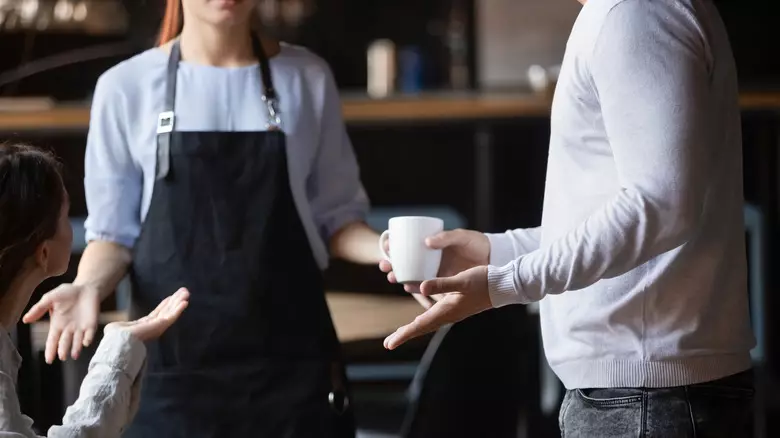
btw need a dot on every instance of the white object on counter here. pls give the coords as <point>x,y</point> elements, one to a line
<point>381,68</point>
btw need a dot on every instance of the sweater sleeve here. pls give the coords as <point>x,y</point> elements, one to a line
<point>507,246</point>
<point>650,70</point>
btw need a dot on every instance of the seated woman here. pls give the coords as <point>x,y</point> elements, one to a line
<point>35,244</point>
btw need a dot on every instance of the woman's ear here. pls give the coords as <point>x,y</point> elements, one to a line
<point>42,254</point>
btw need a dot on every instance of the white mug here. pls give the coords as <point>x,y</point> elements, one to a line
<point>412,260</point>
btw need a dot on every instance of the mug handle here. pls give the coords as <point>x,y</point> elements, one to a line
<point>385,235</point>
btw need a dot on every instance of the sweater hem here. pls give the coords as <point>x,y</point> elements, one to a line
<point>580,374</point>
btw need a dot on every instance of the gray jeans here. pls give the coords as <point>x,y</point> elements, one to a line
<point>718,409</point>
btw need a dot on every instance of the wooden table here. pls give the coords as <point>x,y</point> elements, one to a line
<point>357,317</point>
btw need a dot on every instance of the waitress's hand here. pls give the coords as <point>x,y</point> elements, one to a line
<point>153,325</point>
<point>73,315</point>
<point>461,250</point>
<point>465,294</point>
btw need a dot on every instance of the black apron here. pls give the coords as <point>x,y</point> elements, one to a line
<point>255,354</point>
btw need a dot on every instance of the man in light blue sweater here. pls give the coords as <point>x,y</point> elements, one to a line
<point>639,264</point>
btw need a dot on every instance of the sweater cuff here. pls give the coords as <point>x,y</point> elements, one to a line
<point>501,249</point>
<point>122,351</point>
<point>502,286</point>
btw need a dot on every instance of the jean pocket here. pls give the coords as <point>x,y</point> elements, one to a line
<point>610,397</point>
<point>562,411</point>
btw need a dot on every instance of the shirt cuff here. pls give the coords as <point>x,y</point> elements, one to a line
<point>501,249</point>
<point>122,351</point>
<point>503,286</point>
<point>328,228</point>
<point>127,242</point>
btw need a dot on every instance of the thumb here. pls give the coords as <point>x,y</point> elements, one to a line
<point>37,311</point>
<point>442,285</point>
<point>445,239</point>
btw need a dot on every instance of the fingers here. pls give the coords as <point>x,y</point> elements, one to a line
<point>52,342</point>
<point>385,266</point>
<point>429,321</point>
<point>424,301</point>
<point>178,303</point>
<point>172,307</point>
<point>65,344</point>
<point>176,311</point>
<point>157,310</point>
<point>412,288</point>
<point>443,285</point>
<point>154,327</point>
<point>37,311</point>
<point>89,336</point>
<point>78,343</point>
<point>445,239</point>
<point>168,303</point>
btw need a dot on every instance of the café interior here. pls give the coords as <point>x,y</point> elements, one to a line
<point>447,105</point>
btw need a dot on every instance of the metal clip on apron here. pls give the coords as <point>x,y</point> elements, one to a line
<point>255,354</point>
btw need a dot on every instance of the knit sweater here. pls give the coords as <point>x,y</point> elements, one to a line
<point>640,261</point>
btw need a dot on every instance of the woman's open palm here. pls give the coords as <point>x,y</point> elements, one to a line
<point>153,325</point>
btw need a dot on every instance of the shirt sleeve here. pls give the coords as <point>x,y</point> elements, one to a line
<point>650,70</point>
<point>334,189</point>
<point>112,180</point>
<point>507,246</point>
<point>108,399</point>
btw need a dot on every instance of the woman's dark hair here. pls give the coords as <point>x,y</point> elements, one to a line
<point>31,198</point>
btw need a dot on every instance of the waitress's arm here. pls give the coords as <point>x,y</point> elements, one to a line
<point>113,182</point>
<point>356,242</point>
<point>102,267</point>
<point>336,195</point>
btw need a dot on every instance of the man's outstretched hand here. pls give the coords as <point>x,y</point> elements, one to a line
<point>465,294</point>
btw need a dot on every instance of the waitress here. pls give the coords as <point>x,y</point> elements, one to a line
<point>220,162</point>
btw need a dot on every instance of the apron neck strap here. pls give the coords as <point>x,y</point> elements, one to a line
<point>265,69</point>
<point>269,93</point>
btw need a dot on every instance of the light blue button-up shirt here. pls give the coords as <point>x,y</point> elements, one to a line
<point>121,144</point>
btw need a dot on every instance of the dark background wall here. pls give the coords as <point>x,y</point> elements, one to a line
<point>341,30</point>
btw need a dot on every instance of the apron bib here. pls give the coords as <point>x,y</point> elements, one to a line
<point>256,353</point>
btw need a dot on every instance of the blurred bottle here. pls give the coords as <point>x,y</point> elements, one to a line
<point>457,43</point>
<point>381,68</point>
<point>411,67</point>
